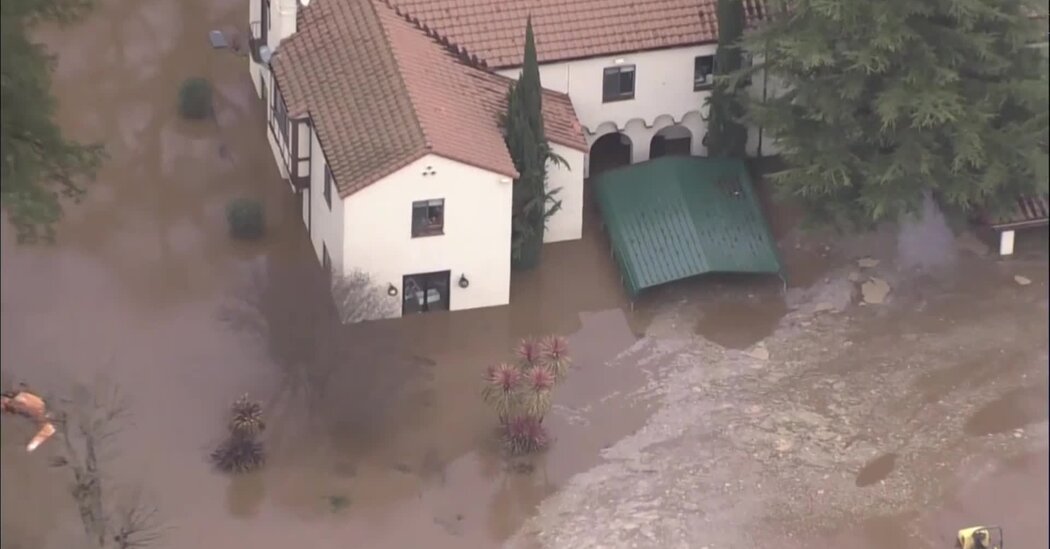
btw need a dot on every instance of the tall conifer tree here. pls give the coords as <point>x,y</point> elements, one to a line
<point>885,102</point>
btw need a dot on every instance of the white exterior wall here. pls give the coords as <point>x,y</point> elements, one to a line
<point>325,225</point>
<point>663,96</point>
<point>282,25</point>
<point>377,235</point>
<point>567,223</point>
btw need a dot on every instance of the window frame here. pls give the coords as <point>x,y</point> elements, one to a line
<point>618,72</point>
<point>428,228</point>
<point>280,115</point>
<point>328,183</point>
<point>709,79</point>
<point>326,259</point>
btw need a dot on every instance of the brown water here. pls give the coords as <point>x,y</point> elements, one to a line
<point>377,435</point>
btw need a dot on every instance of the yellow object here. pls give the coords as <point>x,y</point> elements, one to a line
<point>981,537</point>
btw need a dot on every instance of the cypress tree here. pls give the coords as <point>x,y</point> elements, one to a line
<point>726,133</point>
<point>527,143</point>
<point>39,163</point>
<point>885,102</point>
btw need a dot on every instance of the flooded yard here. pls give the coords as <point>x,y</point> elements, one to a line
<point>724,411</point>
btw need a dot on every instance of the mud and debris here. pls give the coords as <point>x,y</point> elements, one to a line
<point>847,421</point>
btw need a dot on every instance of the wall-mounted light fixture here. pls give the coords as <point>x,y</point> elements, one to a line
<point>391,290</point>
<point>505,180</point>
<point>463,282</point>
<point>618,61</point>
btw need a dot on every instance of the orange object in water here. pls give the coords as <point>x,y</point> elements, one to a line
<point>28,405</point>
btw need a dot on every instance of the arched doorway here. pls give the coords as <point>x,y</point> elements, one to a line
<point>609,151</point>
<point>674,140</point>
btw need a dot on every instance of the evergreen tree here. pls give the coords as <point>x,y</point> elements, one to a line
<point>39,163</point>
<point>527,143</point>
<point>726,133</point>
<point>884,102</point>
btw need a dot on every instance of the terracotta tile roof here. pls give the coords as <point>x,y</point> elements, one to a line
<point>381,94</point>
<point>559,116</point>
<point>494,30</point>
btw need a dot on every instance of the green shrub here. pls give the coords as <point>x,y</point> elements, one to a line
<point>195,98</point>
<point>245,218</point>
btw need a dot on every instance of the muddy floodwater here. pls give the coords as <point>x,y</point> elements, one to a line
<point>727,412</point>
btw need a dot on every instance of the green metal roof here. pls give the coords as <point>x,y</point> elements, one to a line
<point>681,216</point>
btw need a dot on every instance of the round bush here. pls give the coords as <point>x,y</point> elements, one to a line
<point>195,98</point>
<point>245,218</point>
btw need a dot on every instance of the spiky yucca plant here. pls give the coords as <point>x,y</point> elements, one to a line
<point>242,452</point>
<point>246,417</point>
<point>536,395</point>
<point>239,454</point>
<point>554,352</point>
<point>502,385</point>
<point>524,434</point>
<point>528,352</point>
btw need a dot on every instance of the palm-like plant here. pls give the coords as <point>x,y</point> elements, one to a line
<point>524,434</point>
<point>246,417</point>
<point>554,351</point>
<point>502,385</point>
<point>536,397</point>
<point>528,352</point>
<point>242,452</point>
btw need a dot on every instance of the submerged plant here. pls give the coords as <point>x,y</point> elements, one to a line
<point>246,218</point>
<point>501,388</point>
<point>247,417</point>
<point>525,434</point>
<point>239,454</point>
<point>242,452</point>
<point>195,98</point>
<point>536,397</point>
<point>528,352</point>
<point>520,393</point>
<point>554,351</point>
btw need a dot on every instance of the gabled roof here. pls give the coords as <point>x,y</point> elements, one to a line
<point>493,30</point>
<point>381,94</point>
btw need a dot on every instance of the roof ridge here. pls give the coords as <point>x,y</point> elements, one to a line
<point>427,143</point>
<point>461,52</point>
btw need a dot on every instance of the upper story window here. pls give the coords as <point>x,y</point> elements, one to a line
<point>280,115</point>
<point>703,72</point>
<point>428,217</point>
<point>328,178</point>
<point>618,83</point>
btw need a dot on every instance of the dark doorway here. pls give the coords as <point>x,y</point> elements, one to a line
<point>671,141</point>
<point>425,292</point>
<point>611,150</point>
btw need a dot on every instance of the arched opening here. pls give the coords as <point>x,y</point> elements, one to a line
<point>609,151</point>
<point>674,140</point>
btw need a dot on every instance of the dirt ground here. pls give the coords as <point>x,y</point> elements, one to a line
<point>858,426</point>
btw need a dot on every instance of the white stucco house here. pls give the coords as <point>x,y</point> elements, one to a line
<point>382,115</point>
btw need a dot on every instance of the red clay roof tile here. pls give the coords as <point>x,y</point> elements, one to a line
<point>569,29</point>
<point>381,94</point>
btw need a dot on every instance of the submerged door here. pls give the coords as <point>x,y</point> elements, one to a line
<point>425,292</point>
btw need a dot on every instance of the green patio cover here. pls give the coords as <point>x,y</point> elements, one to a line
<point>681,216</point>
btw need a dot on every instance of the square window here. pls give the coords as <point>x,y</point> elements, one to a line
<point>428,217</point>
<point>618,83</point>
<point>703,72</point>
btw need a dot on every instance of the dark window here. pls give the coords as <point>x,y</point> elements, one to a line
<point>425,292</point>
<point>280,115</point>
<point>326,260</point>
<point>328,186</point>
<point>266,17</point>
<point>703,72</point>
<point>428,217</point>
<point>618,83</point>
